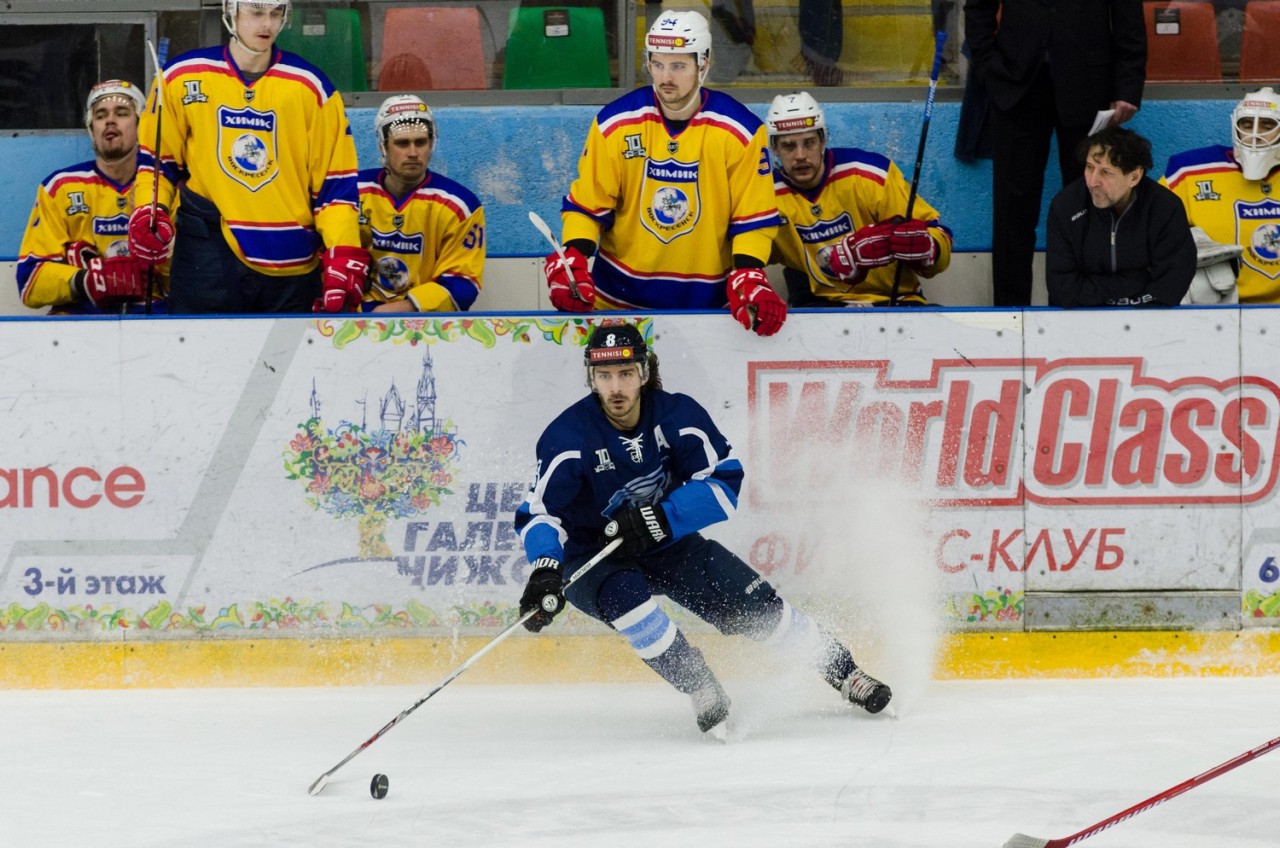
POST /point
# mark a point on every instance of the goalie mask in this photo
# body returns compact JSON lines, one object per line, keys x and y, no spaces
{"x":402,"y":112}
{"x":681,"y":32}
{"x":116,"y":90}
{"x":795,"y":113}
{"x":1255,"y":133}
{"x":617,"y":344}
{"x":231,"y":8}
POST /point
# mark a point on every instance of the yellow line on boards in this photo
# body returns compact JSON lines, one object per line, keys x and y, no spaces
{"x":597,"y":659}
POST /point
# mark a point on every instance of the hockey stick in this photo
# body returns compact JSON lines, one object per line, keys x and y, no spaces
{"x":939,"y":40}
{"x":155,"y":185}
{"x":320,"y":781}
{"x":1021,"y":840}
{"x":541,"y":225}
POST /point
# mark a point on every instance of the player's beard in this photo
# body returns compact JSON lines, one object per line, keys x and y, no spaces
{"x":619,"y":407}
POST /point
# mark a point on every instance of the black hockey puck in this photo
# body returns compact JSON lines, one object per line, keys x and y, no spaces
{"x":378,"y":786}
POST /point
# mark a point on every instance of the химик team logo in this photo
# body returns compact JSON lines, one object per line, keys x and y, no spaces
{"x":672,"y":189}
{"x":247,"y":146}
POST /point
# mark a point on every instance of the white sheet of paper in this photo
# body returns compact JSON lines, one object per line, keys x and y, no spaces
{"x":1103,"y":118}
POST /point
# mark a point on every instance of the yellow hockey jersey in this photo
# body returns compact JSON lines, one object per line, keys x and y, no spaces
{"x":75,"y":204}
{"x":276,"y":156}
{"x":427,"y":246}
{"x":669,"y":208}
{"x":858,"y":188}
{"x":1233,"y":210}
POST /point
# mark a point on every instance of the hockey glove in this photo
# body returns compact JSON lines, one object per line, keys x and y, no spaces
{"x":754,"y":303}
{"x":544,"y":592}
{"x":78,"y":253}
{"x":345,"y":276}
{"x":150,"y":236}
{"x":911,"y":243}
{"x":640,"y":529}
{"x":571,"y":287}
{"x":108,"y":283}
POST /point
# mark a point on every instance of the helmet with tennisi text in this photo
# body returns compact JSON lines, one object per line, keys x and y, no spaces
{"x":616,"y":344}
{"x":1255,"y":133}
{"x":121,"y":89}
{"x":795,"y":113}
{"x":402,"y":111}
{"x":679,"y":32}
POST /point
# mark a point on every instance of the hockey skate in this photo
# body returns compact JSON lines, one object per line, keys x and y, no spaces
{"x":711,"y":706}
{"x":865,"y":691}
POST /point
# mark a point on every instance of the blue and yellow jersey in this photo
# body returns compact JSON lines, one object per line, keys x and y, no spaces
{"x":75,"y":204}
{"x":1233,"y":210}
{"x":276,"y":156}
{"x":427,"y":246}
{"x":670,"y":208}
{"x":859,"y":188}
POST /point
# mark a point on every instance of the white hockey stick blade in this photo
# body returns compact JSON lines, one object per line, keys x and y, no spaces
{"x":317,"y":787}
{"x":541,"y":226}
{"x":1021,"y":840}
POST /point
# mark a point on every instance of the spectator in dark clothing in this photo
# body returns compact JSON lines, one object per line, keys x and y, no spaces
{"x":1049,"y":68}
{"x":1116,"y":236}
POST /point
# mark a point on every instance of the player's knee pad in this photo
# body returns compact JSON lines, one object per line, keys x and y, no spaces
{"x":648,"y":628}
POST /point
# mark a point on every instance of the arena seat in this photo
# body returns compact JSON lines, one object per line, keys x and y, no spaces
{"x":332,"y":40}
{"x":539,"y":58}
{"x":432,"y":48}
{"x":1190,"y":55}
{"x":1260,"y":51}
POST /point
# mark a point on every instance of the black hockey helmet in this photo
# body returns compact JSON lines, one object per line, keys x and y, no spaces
{"x":616,"y":343}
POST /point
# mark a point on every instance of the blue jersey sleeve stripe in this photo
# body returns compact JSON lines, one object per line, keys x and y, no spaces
{"x":463,"y":290}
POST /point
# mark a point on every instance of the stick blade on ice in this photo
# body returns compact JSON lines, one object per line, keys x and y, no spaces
{"x":1021,"y":840}
{"x":319,"y":785}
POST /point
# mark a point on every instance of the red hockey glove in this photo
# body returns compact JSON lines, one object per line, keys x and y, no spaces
{"x":151,"y":247}
{"x":911,"y":242}
{"x":754,"y":303}
{"x":78,"y":253}
{"x":110,"y":282}
{"x":869,"y":247}
{"x":570,"y":285}
{"x":344,"y":275}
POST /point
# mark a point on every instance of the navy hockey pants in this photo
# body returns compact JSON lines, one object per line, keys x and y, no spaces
{"x":206,"y":277}
{"x":700,"y":575}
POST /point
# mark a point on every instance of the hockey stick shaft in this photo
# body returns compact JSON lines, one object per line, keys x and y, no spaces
{"x":541,"y":226}
{"x":320,"y":781}
{"x":155,"y":184}
{"x":940,"y":40}
{"x":1023,"y":841}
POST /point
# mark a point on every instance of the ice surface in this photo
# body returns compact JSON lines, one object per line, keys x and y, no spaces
{"x":964,"y":764}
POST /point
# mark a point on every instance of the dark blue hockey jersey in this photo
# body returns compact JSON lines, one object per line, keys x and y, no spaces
{"x":588,"y":470}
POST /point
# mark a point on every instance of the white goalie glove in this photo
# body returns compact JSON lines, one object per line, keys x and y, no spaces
{"x":1215,"y":279}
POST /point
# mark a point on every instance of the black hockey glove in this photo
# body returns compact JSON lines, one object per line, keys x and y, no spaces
{"x":544,"y":593}
{"x":640,"y":529}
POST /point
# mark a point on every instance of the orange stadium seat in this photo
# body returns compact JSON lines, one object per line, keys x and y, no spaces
{"x":432,"y":48}
{"x":1190,"y":54}
{"x":1260,"y":52}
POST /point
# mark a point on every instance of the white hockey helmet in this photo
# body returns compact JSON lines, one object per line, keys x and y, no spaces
{"x":1255,"y":133}
{"x":122,"y":89}
{"x":795,"y":113}
{"x":680,"y":32}
{"x":402,"y":110}
{"x":230,"y":8}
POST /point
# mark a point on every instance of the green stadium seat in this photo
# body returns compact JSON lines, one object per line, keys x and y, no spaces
{"x":556,"y":47}
{"x":330,"y":39}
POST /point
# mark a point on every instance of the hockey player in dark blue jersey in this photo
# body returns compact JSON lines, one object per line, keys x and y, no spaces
{"x":632,"y":461}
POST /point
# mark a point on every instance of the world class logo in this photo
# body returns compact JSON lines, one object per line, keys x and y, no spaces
{"x":1003,"y":432}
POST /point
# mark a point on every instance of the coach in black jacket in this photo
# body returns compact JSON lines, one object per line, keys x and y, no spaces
{"x":1116,"y":236}
{"x":1048,"y":66}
